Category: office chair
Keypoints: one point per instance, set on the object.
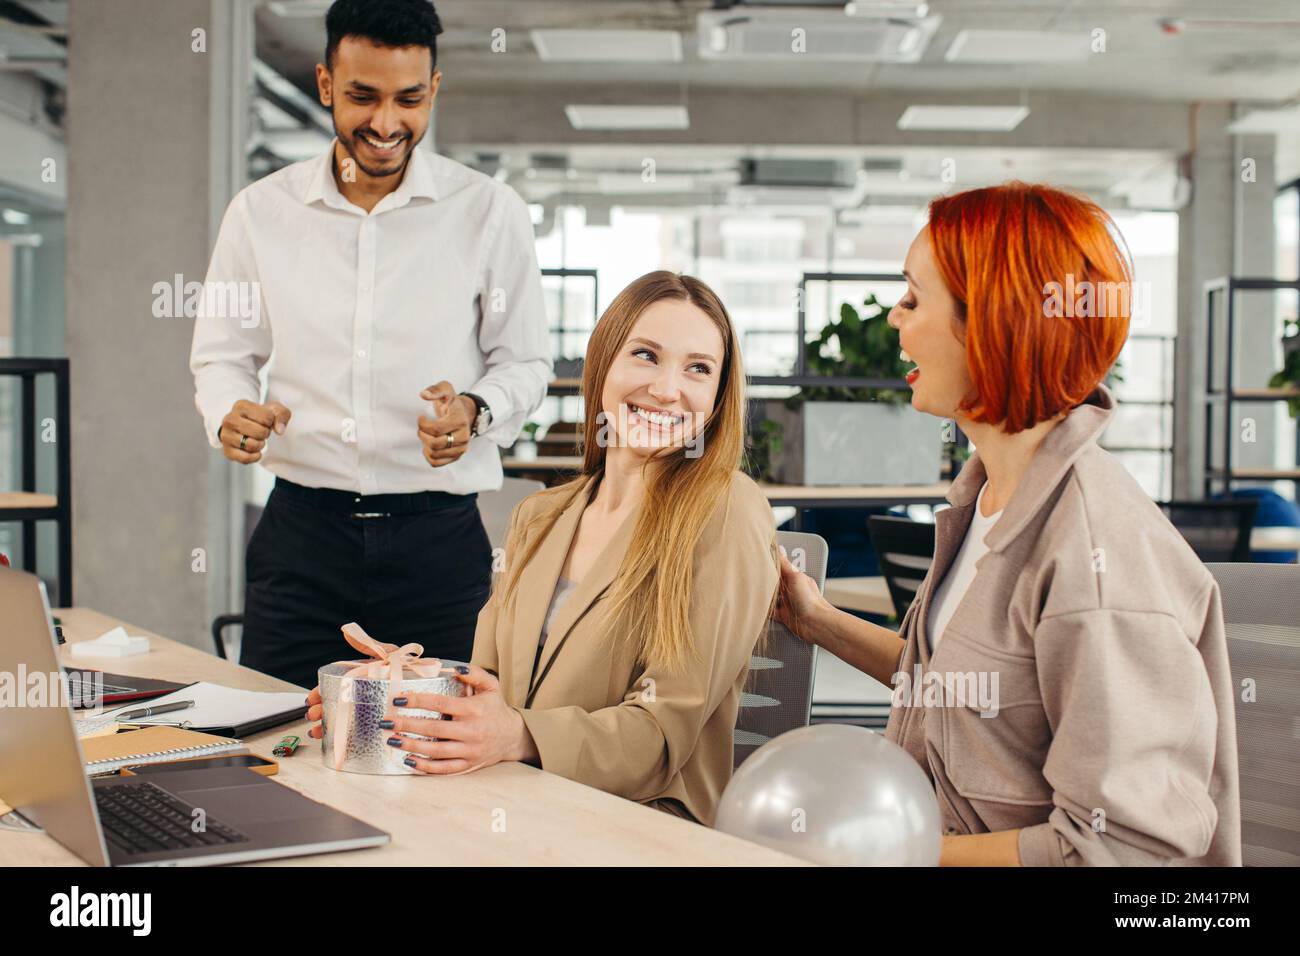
(252, 515)
(778, 692)
(1216, 530)
(1261, 610)
(905, 550)
(495, 507)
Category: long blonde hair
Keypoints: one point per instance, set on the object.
(651, 600)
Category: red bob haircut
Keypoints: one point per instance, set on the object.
(1043, 290)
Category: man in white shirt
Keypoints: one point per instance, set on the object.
(396, 295)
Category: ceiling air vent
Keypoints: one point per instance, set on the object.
(753, 33)
(798, 182)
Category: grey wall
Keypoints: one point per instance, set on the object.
(150, 175)
(1226, 229)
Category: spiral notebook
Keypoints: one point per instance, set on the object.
(152, 745)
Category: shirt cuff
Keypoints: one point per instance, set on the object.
(212, 424)
(498, 403)
(1040, 845)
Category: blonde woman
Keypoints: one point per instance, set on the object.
(616, 642)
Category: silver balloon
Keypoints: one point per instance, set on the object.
(837, 795)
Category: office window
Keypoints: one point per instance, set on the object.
(1141, 433)
(31, 326)
(1286, 221)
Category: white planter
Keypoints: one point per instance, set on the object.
(856, 443)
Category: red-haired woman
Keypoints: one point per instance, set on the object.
(1062, 675)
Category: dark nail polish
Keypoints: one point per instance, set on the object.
(394, 741)
(385, 725)
(462, 669)
(399, 701)
(409, 761)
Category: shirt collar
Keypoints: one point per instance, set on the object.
(1055, 456)
(418, 181)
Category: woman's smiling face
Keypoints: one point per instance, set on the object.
(927, 322)
(662, 385)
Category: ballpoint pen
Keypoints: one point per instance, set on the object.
(154, 711)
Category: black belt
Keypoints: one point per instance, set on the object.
(350, 503)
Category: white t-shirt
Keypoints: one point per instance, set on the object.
(954, 584)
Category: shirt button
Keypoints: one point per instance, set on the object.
(361, 353)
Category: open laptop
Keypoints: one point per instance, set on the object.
(145, 820)
(94, 688)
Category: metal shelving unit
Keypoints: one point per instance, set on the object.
(1228, 287)
(563, 275)
(26, 505)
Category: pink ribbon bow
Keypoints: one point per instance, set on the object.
(386, 661)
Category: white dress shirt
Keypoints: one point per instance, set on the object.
(359, 312)
(958, 580)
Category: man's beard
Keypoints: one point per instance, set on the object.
(375, 171)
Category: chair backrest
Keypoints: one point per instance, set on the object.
(778, 692)
(905, 550)
(1216, 530)
(1261, 611)
(495, 507)
(252, 515)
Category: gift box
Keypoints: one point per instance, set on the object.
(357, 695)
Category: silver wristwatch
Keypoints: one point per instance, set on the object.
(483, 419)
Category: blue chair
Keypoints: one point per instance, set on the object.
(1274, 511)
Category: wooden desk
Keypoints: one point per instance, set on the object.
(510, 814)
(868, 595)
(801, 496)
(865, 496)
(543, 463)
(1275, 539)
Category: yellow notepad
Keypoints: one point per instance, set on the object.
(153, 745)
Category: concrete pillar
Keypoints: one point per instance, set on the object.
(1226, 229)
(157, 105)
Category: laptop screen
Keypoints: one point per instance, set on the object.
(42, 775)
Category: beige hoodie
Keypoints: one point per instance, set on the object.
(1081, 691)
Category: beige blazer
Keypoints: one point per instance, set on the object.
(598, 714)
(1112, 739)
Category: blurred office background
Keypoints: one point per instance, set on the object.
(683, 134)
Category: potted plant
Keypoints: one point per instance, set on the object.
(855, 436)
(1289, 375)
(525, 446)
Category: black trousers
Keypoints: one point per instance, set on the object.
(418, 573)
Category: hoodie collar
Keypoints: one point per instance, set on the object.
(1055, 456)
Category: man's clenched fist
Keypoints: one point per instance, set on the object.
(446, 437)
(244, 431)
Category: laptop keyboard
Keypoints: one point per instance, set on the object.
(143, 818)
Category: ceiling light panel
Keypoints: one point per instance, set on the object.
(1019, 46)
(604, 116)
(608, 46)
(966, 118)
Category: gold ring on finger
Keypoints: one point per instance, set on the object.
(243, 440)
